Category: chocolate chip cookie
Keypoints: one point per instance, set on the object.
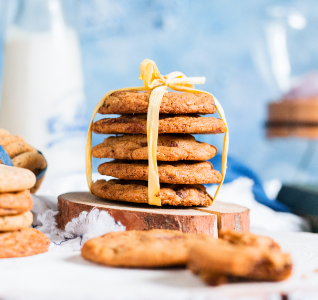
(137, 192)
(142, 249)
(172, 172)
(137, 124)
(169, 148)
(134, 102)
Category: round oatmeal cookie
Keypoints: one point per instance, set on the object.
(167, 124)
(32, 161)
(232, 262)
(142, 249)
(16, 222)
(15, 203)
(169, 148)
(172, 172)
(24, 242)
(134, 102)
(14, 179)
(137, 192)
(17, 148)
(9, 139)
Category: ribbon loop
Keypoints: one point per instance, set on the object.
(151, 77)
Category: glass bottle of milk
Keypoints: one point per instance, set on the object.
(42, 90)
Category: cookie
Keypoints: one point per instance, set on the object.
(134, 102)
(169, 148)
(16, 222)
(137, 192)
(15, 203)
(172, 172)
(9, 139)
(167, 124)
(218, 262)
(32, 161)
(17, 148)
(3, 132)
(24, 242)
(14, 179)
(141, 249)
(248, 239)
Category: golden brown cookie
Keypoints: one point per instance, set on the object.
(248, 239)
(137, 124)
(14, 179)
(169, 148)
(9, 139)
(218, 262)
(17, 148)
(16, 222)
(32, 161)
(3, 132)
(15, 203)
(137, 192)
(24, 242)
(141, 249)
(134, 102)
(173, 172)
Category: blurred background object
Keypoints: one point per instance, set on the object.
(42, 88)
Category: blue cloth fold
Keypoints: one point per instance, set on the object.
(236, 169)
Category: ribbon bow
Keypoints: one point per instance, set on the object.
(152, 78)
(159, 85)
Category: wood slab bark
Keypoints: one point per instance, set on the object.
(144, 217)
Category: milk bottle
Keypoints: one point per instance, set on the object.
(42, 90)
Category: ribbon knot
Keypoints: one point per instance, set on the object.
(151, 77)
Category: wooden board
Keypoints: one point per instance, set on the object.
(144, 217)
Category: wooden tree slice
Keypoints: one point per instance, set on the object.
(230, 216)
(144, 217)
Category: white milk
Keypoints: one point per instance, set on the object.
(42, 94)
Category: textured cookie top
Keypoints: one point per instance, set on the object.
(173, 172)
(16, 202)
(230, 261)
(14, 179)
(23, 242)
(137, 192)
(16, 222)
(169, 148)
(153, 248)
(167, 124)
(134, 102)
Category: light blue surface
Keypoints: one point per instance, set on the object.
(215, 39)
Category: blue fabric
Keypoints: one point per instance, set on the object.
(6, 160)
(236, 169)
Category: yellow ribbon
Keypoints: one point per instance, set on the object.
(159, 84)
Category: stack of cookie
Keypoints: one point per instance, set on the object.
(16, 238)
(22, 155)
(182, 164)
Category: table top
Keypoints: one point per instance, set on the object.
(66, 275)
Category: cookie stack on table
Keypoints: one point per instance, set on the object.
(23, 155)
(16, 238)
(182, 164)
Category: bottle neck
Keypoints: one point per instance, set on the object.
(42, 15)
